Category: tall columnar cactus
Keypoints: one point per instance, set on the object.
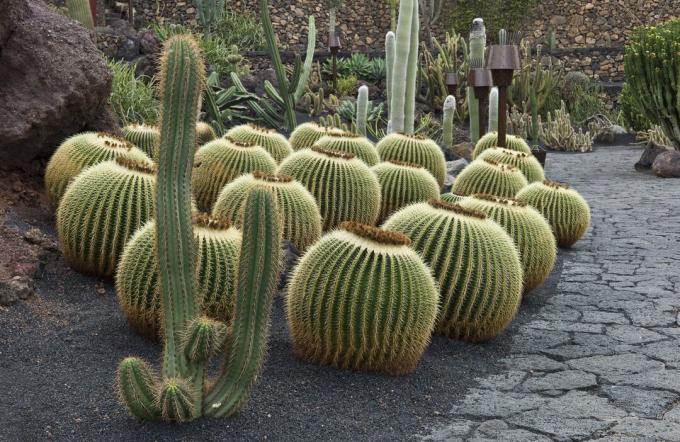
(204, 133)
(344, 187)
(369, 272)
(527, 228)
(487, 176)
(101, 209)
(405, 67)
(477, 47)
(309, 59)
(307, 134)
(220, 162)
(447, 120)
(491, 140)
(493, 110)
(402, 184)
(143, 136)
(209, 11)
(390, 55)
(564, 208)
(475, 262)
(80, 11)
(299, 212)
(273, 142)
(416, 150)
(351, 143)
(362, 110)
(525, 162)
(81, 151)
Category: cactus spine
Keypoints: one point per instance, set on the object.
(362, 110)
(404, 70)
(80, 11)
(447, 120)
(477, 48)
(402, 184)
(416, 150)
(307, 134)
(390, 55)
(493, 110)
(526, 163)
(451, 198)
(354, 144)
(491, 140)
(486, 176)
(273, 142)
(144, 137)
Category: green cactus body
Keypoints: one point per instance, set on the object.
(493, 110)
(362, 299)
(344, 187)
(176, 400)
(353, 144)
(273, 142)
(564, 208)
(402, 184)
(491, 140)
(204, 133)
(404, 68)
(78, 153)
(221, 161)
(525, 162)
(416, 150)
(486, 176)
(528, 229)
(307, 134)
(362, 110)
(447, 120)
(451, 198)
(101, 210)
(390, 55)
(475, 262)
(204, 338)
(137, 283)
(144, 137)
(299, 212)
(137, 386)
(79, 10)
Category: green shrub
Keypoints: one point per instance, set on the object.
(133, 98)
(358, 65)
(631, 113)
(241, 29)
(347, 86)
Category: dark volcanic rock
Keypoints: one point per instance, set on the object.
(649, 155)
(667, 164)
(54, 82)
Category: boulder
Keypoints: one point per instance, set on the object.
(55, 82)
(667, 164)
(463, 150)
(649, 155)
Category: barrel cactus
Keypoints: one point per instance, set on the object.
(486, 176)
(565, 209)
(347, 296)
(78, 153)
(204, 133)
(300, 214)
(528, 229)
(451, 198)
(491, 140)
(475, 262)
(143, 136)
(402, 184)
(307, 134)
(351, 143)
(137, 285)
(221, 161)
(344, 187)
(101, 210)
(416, 150)
(525, 162)
(273, 142)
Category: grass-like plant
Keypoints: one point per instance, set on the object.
(133, 98)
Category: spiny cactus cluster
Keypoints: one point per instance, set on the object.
(204, 133)
(144, 137)
(402, 184)
(487, 176)
(351, 143)
(273, 142)
(491, 140)
(307, 134)
(525, 162)
(416, 150)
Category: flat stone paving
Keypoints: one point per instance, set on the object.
(601, 359)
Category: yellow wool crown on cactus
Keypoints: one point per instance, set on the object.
(138, 286)
(351, 143)
(221, 161)
(306, 135)
(414, 149)
(564, 208)
(204, 133)
(486, 176)
(78, 153)
(300, 214)
(273, 142)
(101, 210)
(475, 262)
(143, 136)
(491, 140)
(528, 229)
(362, 299)
(344, 187)
(402, 184)
(525, 162)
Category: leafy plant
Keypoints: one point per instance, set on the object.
(347, 86)
(132, 98)
(225, 107)
(375, 120)
(359, 65)
(240, 28)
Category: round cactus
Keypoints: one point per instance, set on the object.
(528, 229)
(204, 133)
(300, 214)
(101, 210)
(491, 140)
(402, 184)
(564, 208)
(525, 162)
(416, 150)
(138, 286)
(351, 143)
(486, 176)
(361, 299)
(272, 141)
(344, 187)
(475, 261)
(451, 198)
(78, 153)
(143, 136)
(220, 162)
(307, 134)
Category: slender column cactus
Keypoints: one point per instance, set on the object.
(390, 48)
(209, 11)
(404, 68)
(309, 59)
(447, 120)
(362, 110)
(477, 47)
(79, 10)
(493, 110)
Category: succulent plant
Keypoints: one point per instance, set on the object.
(475, 262)
(525, 162)
(351, 143)
(564, 208)
(390, 55)
(137, 284)
(362, 110)
(221, 161)
(527, 228)
(402, 184)
(416, 150)
(361, 299)
(405, 69)
(491, 140)
(204, 133)
(344, 187)
(307, 134)
(449, 112)
(101, 210)
(299, 212)
(487, 176)
(78, 153)
(143, 136)
(272, 141)
(451, 198)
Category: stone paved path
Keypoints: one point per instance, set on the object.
(601, 359)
